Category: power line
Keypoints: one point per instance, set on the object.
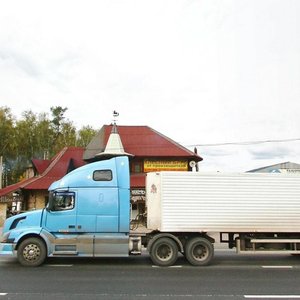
(205, 145)
(245, 143)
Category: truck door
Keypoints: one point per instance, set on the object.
(61, 221)
(62, 215)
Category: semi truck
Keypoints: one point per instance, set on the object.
(88, 215)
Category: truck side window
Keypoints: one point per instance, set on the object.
(102, 175)
(63, 201)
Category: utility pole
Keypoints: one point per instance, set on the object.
(1, 170)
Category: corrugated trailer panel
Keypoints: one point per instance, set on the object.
(219, 202)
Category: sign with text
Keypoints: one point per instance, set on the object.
(138, 195)
(165, 165)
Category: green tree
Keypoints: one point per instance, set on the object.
(66, 137)
(25, 143)
(64, 130)
(58, 118)
(26, 135)
(36, 136)
(44, 137)
(6, 131)
(7, 137)
(85, 134)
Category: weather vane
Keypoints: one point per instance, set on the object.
(115, 115)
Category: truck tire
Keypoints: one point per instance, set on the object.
(31, 252)
(199, 251)
(164, 252)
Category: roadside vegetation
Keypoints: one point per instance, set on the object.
(38, 136)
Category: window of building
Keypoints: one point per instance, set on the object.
(136, 167)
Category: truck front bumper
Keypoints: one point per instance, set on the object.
(7, 249)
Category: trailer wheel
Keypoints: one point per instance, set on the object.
(199, 251)
(164, 252)
(31, 252)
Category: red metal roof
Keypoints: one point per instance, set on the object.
(141, 141)
(41, 164)
(146, 142)
(59, 166)
(66, 160)
(138, 180)
(14, 187)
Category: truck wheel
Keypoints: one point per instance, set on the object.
(199, 251)
(164, 252)
(31, 252)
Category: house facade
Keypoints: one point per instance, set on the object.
(32, 193)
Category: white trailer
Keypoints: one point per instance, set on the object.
(256, 213)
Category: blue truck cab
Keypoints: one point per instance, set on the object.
(88, 215)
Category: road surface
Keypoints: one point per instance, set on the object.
(230, 276)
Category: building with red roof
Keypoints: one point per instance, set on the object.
(32, 193)
(148, 150)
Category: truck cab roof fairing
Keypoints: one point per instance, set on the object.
(84, 176)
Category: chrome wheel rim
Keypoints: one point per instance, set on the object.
(31, 252)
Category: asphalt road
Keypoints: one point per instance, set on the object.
(231, 276)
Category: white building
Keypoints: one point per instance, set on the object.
(286, 167)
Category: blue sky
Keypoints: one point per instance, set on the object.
(201, 72)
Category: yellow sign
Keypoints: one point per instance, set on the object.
(165, 165)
